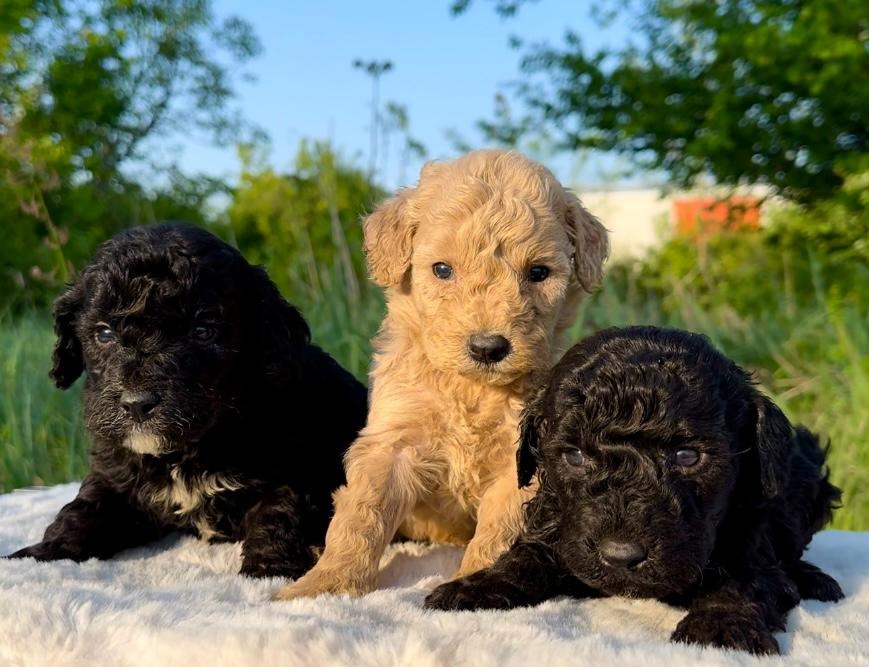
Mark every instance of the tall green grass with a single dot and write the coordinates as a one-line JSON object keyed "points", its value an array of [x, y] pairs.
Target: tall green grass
{"points": [[342, 321], [814, 361], [41, 438]]}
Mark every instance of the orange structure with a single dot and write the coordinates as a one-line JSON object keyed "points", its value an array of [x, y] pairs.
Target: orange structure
{"points": [[698, 216]]}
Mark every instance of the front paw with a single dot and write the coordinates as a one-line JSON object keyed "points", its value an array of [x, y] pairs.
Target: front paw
{"points": [[814, 584], [820, 586], [716, 627], [44, 551], [26, 552], [326, 581], [475, 592], [289, 568]]}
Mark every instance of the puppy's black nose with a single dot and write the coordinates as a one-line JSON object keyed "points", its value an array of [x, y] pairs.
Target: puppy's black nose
{"points": [[619, 553], [488, 348], [139, 404]]}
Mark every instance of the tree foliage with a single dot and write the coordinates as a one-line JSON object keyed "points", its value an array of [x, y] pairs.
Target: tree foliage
{"points": [[102, 77], [85, 88], [758, 91]]}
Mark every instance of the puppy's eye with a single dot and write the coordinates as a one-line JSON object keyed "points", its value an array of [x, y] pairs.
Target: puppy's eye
{"points": [[203, 333], [104, 334], [686, 458], [574, 457], [442, 270], [538, 273]]}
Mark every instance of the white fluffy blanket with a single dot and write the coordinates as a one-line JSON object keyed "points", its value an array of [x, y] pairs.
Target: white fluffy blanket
{"points": [[180, 602]]}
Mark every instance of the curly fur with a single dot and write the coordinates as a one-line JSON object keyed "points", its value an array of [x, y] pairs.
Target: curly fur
{"points": [[723, 536], [436, 460], [246, 440]]}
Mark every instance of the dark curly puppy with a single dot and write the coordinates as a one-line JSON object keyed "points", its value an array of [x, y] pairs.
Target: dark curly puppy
{"points": [[664, 474], [208, 408]]}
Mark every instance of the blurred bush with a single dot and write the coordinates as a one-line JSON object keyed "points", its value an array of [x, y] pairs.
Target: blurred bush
{"points": [[309, 218]]}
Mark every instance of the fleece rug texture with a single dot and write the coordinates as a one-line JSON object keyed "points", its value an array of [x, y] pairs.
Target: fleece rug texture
{"points": [[180, 602]]}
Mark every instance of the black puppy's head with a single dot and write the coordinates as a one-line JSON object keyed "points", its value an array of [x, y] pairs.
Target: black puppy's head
{"points": [[643, 435], [174, 329]]}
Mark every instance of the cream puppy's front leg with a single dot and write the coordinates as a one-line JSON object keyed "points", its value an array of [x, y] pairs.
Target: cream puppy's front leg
{"points": [[383, 484], [499, 521]]}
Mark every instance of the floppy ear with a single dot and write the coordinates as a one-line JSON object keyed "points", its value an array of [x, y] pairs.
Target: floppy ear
{"points": [[590, 243], [774, 444], [282, 331], [388, 241], [530, 425], [68, 359]]}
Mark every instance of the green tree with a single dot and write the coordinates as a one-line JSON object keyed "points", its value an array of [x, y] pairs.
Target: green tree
{"points": [[85, 88], [760, 91], [103, 77]]}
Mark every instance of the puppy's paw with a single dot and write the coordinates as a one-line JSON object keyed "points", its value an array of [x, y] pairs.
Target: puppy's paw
{"points": [[44, 551], [261, 568], [319, 582], [26, 552], [821, 587], [475, 593], [813, 584], [724, 629]]}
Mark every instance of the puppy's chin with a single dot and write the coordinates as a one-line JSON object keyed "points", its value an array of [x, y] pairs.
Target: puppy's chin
{"points": [[648, 584], [143, 442], [491, 375], [499, 374]]}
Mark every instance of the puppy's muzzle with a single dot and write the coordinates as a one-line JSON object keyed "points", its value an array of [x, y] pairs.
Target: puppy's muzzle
{"points": [[622, 554], [139, 405], [488, 348]]}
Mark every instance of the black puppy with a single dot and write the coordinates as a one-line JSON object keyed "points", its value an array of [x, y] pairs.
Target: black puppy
{"points": [[208, 408], [665, 474]]}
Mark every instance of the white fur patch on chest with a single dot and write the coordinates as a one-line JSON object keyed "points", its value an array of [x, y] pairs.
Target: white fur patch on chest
{"points": [[187, 496]]}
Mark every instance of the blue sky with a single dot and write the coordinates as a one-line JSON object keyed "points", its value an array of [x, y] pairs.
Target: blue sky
{"points": [[447, 71]]}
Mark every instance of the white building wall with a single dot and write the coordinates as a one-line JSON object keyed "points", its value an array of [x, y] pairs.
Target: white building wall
{"points": [[633, 217]]}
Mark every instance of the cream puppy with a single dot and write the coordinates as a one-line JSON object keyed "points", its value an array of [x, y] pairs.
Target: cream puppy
{"points": [[484, 263]]}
